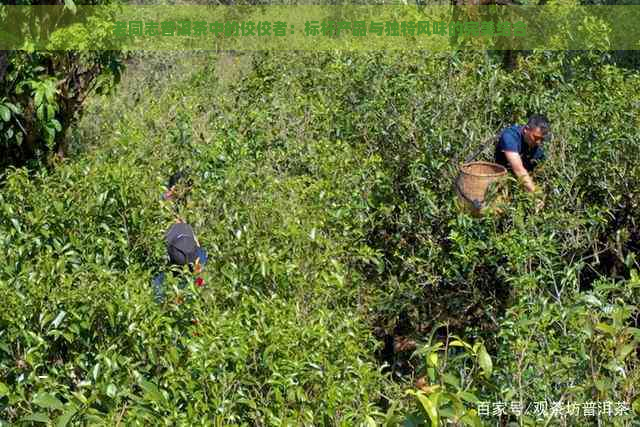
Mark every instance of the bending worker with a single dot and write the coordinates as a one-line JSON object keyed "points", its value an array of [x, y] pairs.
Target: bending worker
{"points": [[183, 249], [519, 148]]}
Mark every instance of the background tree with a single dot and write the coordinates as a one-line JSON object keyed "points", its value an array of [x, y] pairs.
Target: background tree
{"points": [[42, 92]]}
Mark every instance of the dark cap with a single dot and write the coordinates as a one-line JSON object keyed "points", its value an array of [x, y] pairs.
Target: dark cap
{"points": [[181, 175], [181, 244]]}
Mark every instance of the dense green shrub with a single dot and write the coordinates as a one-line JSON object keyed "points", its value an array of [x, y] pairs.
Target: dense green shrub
{"points": [[420, 114], [267, 340], [322, 190]]}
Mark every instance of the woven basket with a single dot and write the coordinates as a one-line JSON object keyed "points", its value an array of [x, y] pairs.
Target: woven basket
{"points": [[473, 181]]}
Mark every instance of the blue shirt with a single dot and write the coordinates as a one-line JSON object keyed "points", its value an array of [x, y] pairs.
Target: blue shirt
{"points": [[512, 139]]}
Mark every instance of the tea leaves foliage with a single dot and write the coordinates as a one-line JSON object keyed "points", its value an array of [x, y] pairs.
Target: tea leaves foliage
{"points": [[322, 189]]}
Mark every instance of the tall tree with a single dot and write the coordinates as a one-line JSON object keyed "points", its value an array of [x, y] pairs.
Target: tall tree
{"points": [[42, 92]]}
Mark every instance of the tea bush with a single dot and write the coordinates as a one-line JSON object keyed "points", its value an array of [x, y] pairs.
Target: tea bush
{"points": [[83, 340], [421, 114]]}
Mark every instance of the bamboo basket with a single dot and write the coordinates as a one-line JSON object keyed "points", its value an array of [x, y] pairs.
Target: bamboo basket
{"points": [[473, 181]]}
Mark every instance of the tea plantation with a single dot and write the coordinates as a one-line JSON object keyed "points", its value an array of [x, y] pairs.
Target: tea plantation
{"points": [[344, 285]]}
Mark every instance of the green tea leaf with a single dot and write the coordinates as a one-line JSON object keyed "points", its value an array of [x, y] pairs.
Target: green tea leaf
{"points": [[433, 359], [469, 397], [485, 361], [39, 417], [607, 329], [451, 379], [12, 107], [429, 408], [625, 350], [48, 401], [5, 113], [455, 401], [64, 419], [96, 371], [38, 99], [370, 422], [58, 319], [152, 392], [471, 419], [111, 390]]}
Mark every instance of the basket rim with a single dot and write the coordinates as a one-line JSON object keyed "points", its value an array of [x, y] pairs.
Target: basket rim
{"points": [[502, 169]]}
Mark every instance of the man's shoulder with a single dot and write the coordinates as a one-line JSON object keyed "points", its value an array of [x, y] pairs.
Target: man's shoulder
{"points": [[513, 130], [510, 138]]}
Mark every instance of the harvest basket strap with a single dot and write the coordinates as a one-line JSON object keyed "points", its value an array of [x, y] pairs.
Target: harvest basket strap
{"points": [[483, 146]]}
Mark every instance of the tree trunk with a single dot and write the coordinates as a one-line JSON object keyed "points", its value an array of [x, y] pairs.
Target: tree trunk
{"points": [[4, 63]]}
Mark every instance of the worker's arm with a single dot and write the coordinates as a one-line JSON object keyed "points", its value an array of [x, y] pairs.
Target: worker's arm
{"points": [[519, 169]]}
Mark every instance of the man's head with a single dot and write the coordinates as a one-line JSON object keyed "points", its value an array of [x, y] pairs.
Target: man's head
{"points": [[178, 185], [536, 130], [176, 178]]}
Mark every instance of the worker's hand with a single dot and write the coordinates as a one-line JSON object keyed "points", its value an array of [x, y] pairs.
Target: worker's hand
{"points": [[539, 205], [520, 171]]}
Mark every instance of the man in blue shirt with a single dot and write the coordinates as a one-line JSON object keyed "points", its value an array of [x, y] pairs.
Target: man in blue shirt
{"points": [[519, 148]]}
